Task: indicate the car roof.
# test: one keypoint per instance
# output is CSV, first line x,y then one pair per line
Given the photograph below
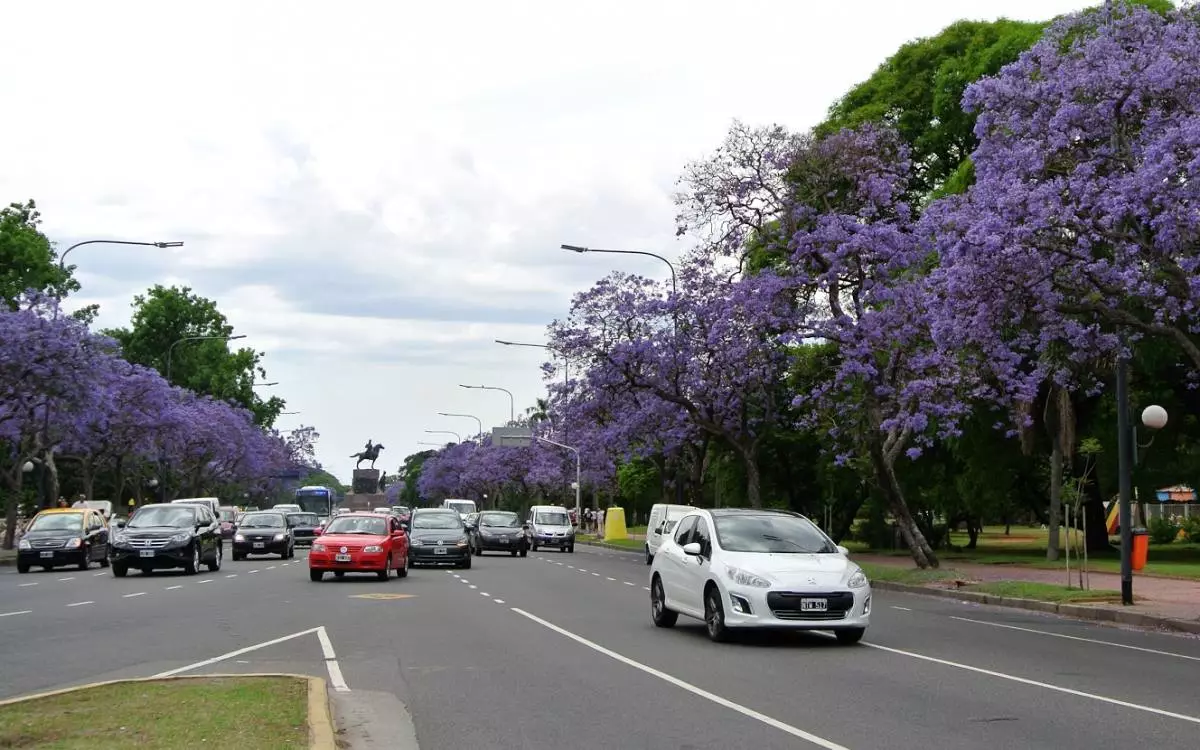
x,y
726,512
59,511
367,513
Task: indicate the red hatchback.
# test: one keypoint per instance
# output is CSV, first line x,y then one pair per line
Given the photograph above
x,y
360,543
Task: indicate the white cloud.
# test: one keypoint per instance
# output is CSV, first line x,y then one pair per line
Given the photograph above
x,y
373,191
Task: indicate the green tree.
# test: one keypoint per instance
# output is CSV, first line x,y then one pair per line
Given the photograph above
x,y
410,473
28,259
322,478
164,318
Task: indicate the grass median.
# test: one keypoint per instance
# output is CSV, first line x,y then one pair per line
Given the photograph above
x,y
265,713
634,544
948,578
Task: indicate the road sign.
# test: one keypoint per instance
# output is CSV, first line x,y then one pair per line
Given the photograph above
x,y
511,437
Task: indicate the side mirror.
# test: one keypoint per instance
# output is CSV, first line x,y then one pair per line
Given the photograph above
x,y
843,551
120,524
691,548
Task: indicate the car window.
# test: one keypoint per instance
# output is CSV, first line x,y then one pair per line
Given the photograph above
x,y
772,533
172,516
702,535
552,518
358,525
262,521
684,533
503,520
447,520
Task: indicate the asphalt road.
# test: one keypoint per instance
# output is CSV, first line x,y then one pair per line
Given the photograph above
x,y
557,650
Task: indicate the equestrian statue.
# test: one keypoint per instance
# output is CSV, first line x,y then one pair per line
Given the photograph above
x,y
370,453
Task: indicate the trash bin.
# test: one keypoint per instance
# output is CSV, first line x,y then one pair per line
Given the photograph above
x,y
1141,548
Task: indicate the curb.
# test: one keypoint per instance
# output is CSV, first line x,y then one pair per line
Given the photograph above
x,y
320,719
606,545
1078,611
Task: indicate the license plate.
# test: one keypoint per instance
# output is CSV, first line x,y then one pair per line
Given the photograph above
x,y
439,550
259,545
504,539
341,558
146,553
814,605
47,554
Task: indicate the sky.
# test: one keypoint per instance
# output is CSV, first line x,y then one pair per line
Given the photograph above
x,y
373,192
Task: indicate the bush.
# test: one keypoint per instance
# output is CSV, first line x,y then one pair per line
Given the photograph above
x,y
1191,529
1163,530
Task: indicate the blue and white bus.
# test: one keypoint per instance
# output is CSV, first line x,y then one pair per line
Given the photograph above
x,y
314,499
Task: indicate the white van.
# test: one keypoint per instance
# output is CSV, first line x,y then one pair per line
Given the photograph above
x,y
213,503
464,507
663,518
551,527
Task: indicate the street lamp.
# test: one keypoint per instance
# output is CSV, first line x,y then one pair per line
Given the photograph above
x,y
171,348
63,258
512,402
287,413
578,468
439,445
465,416
257,385
566,360
27,467
445,432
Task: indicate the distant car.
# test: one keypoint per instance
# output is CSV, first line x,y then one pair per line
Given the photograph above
x,y
287,508
360,543
228,518
499,531
403,512
64,536
167,535
754,568
304,527
437,537
264,532
551,526
464,507
385,509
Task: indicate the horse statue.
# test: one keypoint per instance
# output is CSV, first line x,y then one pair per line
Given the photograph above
x,y
370,453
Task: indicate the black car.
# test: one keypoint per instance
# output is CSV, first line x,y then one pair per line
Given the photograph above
x,y
436,536
164,536
63,536
499,531
264,533
304,527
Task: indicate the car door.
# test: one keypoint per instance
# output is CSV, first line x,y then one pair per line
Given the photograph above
x,y
393,546
102,534
696,569
671,569
210,536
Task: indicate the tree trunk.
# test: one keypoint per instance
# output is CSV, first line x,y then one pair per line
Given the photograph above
x,y
749,454
845,520
889,485
12,505
1056,487
53,488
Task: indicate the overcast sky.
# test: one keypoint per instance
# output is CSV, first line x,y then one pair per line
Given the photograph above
x,y
374,191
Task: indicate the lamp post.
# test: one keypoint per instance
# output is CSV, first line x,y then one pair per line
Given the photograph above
x,y
478,421
27,469
263,385
171,348
512,402
62,259
445,432
439,445
578,469
565,359
674,315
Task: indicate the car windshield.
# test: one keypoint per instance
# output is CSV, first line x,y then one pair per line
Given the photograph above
x,y
57,522
771,534
180,516
555,518
436,521
304,519
262,521
357,525
228,514
504,520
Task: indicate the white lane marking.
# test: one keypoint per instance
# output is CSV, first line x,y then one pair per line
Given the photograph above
x,y
596,574
68,578
1035,683
473,586
270,567
464,580
498,601
628,583
582,570
1143,649
253,571
14,614
80,604
751,713
232,654
331,664
23,585
484,593
559,563
610,579
232,575
647,588
130,596
903,609
572,567
172,588
206,580
97,575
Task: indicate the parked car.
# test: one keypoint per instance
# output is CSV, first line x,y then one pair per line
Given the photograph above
x,y
360,543
437,537
754,568
167,535
499,531
264,532
64,536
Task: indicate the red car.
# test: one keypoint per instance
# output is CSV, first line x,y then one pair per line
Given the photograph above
x,y
360,543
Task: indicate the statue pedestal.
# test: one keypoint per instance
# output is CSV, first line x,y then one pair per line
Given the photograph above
x,y
363,501
365,481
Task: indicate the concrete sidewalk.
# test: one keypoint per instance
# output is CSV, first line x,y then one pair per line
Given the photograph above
x,y
1169,598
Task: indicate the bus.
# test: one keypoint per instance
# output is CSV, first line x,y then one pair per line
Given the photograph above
x,y
314,499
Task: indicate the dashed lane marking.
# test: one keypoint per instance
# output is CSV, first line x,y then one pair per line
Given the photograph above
x,y
80,604
68,578
23,585
130,596
14,614
172,588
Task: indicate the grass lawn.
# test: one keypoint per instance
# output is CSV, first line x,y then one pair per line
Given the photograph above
x,y
637,544
1046,592
264,713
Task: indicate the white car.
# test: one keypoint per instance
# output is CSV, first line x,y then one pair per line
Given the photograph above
x,y
754,568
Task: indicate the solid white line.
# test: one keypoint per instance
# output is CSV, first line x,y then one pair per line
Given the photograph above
x,y
1080,638
1035,683
130,596
172,588
335,670
13,614
68,578
326,644
231,654
627,583
903,609
80,604
23,585
498,601
787,728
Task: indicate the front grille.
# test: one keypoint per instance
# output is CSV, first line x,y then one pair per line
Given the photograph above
x,y
46,543
260,538
148,543
349,548
786,605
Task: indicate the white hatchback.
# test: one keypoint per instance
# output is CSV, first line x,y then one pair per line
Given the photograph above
x,y
753,568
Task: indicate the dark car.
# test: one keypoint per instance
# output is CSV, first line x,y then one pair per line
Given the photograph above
x,y
227,516
436,536
164,536
304,527
63,536
499,531
264,533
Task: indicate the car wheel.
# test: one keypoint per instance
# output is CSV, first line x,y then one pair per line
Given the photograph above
x,y
315,575
215,565
466,564
119,570
193,566
714,615
403,572
22,567
659,614
104,560
571,548
849,636
237,557
479,551
524,551
85,561
513,553
649,557
386,573
534,547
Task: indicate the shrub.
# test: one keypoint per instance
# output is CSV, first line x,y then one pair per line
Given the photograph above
x,y
1163,530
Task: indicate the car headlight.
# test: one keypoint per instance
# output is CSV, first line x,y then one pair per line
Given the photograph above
x,y
746,578
239,538
73,543
415,542
184,537
279,537
461,543
318,547
24,544
373,548
858,580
